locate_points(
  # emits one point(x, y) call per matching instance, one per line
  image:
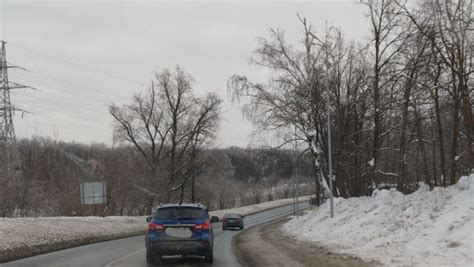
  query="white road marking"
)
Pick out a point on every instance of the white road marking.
point(123, 258)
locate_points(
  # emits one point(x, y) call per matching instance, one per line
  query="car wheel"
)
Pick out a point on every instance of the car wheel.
point(153, 259)
point(209, 257)
point(241, 227)
point(150, 257)
point(224, 228)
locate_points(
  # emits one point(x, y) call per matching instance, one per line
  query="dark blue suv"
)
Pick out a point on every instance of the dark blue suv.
point(179, 229)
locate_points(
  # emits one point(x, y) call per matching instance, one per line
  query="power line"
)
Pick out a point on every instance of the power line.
point(67, 61)
point(76, 124)
point(69, 96)
point(103, 93)
point(54, 108)
point(81, 114)
point(68, 125)
point(59, 98)
point(62, 132)
point(69, 105)
point(72, 120)
point(84, 107)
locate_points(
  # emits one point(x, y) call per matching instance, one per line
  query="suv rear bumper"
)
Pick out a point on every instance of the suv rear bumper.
point(179, 247)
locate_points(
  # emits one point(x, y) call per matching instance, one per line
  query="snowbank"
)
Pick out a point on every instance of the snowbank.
point(424, 228)
point(23, 237)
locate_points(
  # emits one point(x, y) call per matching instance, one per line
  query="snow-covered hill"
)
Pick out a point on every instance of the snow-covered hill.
point(427, 228)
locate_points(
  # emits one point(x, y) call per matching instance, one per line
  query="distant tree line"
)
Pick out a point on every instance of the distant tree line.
point(401, 103)
point(46, 180)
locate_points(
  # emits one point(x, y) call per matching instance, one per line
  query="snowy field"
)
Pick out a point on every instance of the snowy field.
point(22, 237)
point(421, 229)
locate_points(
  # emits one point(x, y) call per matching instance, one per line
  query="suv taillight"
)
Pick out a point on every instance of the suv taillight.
point(156, 227)
point(203, 226)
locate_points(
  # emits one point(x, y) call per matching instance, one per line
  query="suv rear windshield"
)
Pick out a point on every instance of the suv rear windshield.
point(181, 213)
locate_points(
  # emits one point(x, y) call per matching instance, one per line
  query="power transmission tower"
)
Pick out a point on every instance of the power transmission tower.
point(7, 131)
point(7, 109)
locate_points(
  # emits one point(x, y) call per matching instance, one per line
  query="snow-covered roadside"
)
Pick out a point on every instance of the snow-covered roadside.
point(23, 237)
point(247, 210)
point(426, 228)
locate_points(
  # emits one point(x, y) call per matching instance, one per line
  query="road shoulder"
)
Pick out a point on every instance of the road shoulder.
point(268, 245)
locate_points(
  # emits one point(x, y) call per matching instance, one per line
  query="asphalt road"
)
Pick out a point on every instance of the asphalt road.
point(131, 251)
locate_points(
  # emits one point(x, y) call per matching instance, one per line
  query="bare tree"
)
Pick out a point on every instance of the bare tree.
point(295, 96)
point(142, 123)
point(202, 133)
point(385, 20)
point(169, 126)
point(448, 26)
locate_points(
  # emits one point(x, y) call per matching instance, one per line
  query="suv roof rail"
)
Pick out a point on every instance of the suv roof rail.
point(200, 205)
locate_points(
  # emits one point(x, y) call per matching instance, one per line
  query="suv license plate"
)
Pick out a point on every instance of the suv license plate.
point(180, 232)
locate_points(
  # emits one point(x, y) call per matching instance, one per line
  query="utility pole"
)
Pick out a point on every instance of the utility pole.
point(7, 109)
point(294, 193)
point(296, 173)
point(328, 92)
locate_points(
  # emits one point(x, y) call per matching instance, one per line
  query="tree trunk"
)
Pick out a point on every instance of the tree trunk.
point(468, 120)
point(402, 147)
point(193, 188)
point(421, 146)
point(454, 140)
point(181, 194)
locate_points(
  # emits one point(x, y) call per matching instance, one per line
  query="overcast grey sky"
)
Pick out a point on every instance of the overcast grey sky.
point(83, 55)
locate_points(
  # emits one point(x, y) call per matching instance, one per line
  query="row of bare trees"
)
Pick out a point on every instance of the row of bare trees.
point(401, 102)
point(46, 180)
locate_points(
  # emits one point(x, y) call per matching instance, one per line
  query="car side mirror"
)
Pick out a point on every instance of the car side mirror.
point(214, 219)
point(149, 218)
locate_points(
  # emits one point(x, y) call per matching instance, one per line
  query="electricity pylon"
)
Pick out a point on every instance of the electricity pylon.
point(7, 131)
point(7, 109)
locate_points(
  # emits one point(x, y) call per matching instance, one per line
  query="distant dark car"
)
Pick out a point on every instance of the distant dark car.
point(179, 229)
point(233, 220)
